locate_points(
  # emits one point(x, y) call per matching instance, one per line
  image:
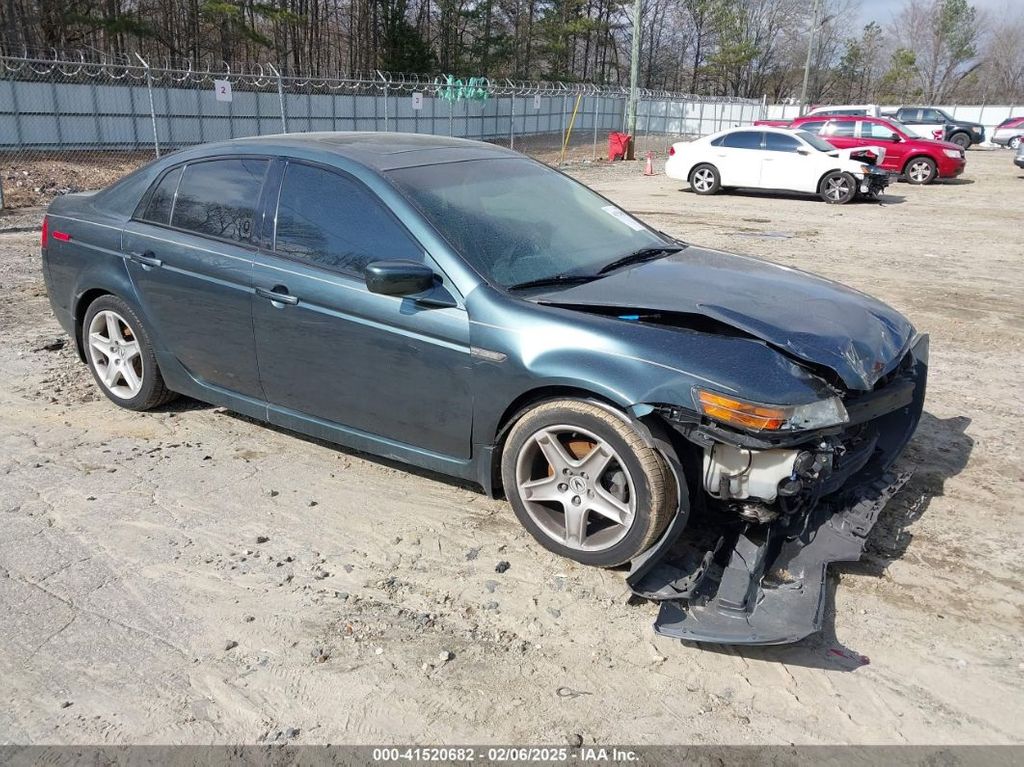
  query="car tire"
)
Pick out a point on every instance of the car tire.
point(837, 188)
point(582, 480)
point(705, 179)
point(962, 140)
point(1014, 143)
point(120, 355)
point(920, 171)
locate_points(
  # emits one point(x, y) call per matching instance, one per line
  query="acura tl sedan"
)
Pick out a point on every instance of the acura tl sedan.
point(721, 425)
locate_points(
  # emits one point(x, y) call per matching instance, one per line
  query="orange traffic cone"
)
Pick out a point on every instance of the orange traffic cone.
point(649, 168)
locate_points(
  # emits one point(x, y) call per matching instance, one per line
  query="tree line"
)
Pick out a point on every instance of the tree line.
point(927, 50)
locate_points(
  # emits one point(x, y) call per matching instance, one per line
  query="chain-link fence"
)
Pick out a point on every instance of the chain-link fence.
point(69, 125)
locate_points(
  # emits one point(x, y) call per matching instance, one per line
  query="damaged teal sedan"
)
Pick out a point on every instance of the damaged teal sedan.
point(722, 427)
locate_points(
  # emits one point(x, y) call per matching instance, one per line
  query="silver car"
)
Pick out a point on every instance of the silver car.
point(1018, 160)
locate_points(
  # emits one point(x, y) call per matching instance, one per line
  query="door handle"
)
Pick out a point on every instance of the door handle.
point(146, 259)
point(278, 294)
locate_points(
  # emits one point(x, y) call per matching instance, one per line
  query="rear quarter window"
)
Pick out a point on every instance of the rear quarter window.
point(161, 199)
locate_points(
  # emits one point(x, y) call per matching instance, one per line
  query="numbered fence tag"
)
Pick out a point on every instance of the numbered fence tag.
point(222, 89)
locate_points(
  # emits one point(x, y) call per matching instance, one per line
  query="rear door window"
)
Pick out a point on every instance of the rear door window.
point(812, 127)
point(219, 198)
point(333, 221)
point(744, 139)
point(840, 129)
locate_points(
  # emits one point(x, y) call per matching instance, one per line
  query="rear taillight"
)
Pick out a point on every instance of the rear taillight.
point(44, 235)
point(671, 151)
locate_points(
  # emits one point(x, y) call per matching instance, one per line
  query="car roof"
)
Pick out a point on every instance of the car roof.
point(379, 151)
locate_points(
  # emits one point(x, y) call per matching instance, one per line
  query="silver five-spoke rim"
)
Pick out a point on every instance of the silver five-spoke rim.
point(837, 187)
point(576, 488)
point(115, 354)
point(920, 171)
point(703, 179)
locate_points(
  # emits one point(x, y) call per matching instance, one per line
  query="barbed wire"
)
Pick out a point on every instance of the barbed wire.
point(93, 64)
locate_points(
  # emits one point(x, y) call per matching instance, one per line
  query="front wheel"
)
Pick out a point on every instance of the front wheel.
point(121, 357)
point(582, 480)
point(920, 171)
point(705, 179)
point(962, 140)
point(1015, 142)
point(838, 188)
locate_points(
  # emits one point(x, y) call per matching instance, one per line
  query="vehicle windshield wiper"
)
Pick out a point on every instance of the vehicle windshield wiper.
point(638, 257)
point(557, 279)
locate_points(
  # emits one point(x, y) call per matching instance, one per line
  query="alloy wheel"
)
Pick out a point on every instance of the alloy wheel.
point(576, 488)
point(703, 179)
point(115, 354)
point(920, 171)
point(837, 188)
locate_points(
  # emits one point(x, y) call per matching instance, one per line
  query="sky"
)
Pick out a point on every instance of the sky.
point(883, 11)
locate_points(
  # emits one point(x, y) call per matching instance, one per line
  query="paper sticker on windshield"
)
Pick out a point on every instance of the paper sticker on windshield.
point(624, 217)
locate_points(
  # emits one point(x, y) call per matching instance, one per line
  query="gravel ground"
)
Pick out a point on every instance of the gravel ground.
point(191, 576)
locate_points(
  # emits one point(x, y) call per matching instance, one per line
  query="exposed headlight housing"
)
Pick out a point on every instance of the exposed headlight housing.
point(753, 416)
point(954, 153)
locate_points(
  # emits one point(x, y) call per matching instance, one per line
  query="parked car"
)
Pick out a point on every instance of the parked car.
point(919, 161)
point(774, 158)
point(864, 110)
point(1010, 132)
point(869, 110)
point(926, 122)
point(465, 309)
point(1018, 159)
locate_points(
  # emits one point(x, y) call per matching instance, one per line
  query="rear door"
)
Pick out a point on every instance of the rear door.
point(190, 249)
point(841, 133)
point(330, 349)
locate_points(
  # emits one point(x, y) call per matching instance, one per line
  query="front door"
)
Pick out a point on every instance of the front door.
point(190, 253)
point(783, 167)
point(330, 349)
point(881, 134)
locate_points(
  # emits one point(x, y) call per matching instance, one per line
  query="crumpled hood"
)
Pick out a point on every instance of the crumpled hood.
point(814, 319)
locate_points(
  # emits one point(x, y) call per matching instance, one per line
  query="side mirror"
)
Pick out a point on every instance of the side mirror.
point(398, 278)
point(803, 150)
point(895, 138)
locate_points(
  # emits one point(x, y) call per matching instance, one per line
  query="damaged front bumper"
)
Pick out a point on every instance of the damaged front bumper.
point(765, 584)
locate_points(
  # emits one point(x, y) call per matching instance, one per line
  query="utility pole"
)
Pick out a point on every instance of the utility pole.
point(810, 50)
point(634, 68)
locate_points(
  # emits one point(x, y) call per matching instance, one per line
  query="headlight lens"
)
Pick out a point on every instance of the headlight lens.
point(954, 153)
point(753, 416)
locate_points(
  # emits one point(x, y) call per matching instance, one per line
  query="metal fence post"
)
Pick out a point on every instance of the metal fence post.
point(152, 106)
point(512, 124)
point(384, 80)
point(280, 98)
point(593, 149)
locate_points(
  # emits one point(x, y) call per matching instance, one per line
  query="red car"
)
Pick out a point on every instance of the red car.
point(919, 160)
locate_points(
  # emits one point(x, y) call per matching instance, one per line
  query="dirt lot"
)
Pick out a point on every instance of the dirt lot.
point(132, 551)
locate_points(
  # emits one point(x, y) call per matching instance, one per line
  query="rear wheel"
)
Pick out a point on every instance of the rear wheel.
point(582, 480)
point(838, 188)
point(121, 356)
point(1015, 142)
point(920, 170)
point(704, 179)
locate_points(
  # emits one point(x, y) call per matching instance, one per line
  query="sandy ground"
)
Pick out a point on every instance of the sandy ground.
point(137, 550)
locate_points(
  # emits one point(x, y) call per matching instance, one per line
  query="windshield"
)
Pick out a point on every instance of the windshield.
point(517, 221)
point(898, 126)
point(816, 141)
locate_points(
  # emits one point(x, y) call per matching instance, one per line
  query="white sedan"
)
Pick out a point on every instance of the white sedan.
point(777, 158)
